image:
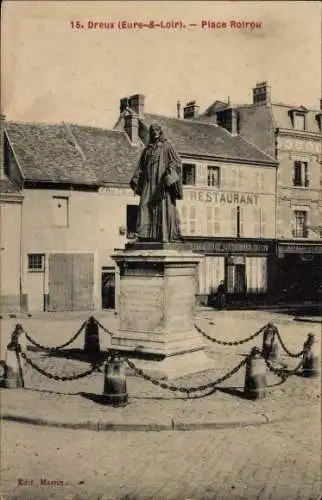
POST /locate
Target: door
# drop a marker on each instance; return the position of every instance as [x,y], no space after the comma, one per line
[35,282]
[240,279]
[60,282]
[71,282]
[108,289]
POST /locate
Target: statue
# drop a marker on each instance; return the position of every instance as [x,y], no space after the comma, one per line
[157,180]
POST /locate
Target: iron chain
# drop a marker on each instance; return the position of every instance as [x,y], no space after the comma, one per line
[95,367]
[283,372]
[187,390]
[285,348]
[50,349]
[237,342]
[106,330]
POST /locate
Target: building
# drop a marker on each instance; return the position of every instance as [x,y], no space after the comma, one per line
[71,184]
[229,198]
[74,182]
[293,135]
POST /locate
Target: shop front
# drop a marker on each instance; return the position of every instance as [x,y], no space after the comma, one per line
[245,266]
[299,271]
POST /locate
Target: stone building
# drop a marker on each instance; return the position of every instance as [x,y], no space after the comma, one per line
[228,210]
[74,182]
[70,184]
[293,135]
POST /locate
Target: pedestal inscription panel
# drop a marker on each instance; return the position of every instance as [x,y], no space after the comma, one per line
[142,304]
[180,302]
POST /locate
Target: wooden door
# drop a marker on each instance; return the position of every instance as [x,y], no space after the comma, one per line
[71,282]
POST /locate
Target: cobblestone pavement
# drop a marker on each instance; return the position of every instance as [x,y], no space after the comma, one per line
[280,461]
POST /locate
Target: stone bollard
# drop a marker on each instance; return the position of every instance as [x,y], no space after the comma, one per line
[270,347]
[115,391]
[13,376]
[92,341]
[255,375]
[310,359]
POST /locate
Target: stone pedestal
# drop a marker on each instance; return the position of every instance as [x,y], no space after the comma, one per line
[158,284]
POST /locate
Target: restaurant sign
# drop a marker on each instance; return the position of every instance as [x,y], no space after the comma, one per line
[221,197]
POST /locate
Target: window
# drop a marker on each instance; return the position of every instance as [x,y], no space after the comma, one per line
[299,121]
[300,174]
[300,229]
[188,174]
[193,220]
[213,221]
[60,211]
[35,263]
[213,178]
[131,220]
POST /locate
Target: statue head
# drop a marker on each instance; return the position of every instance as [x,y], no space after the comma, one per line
[156,133]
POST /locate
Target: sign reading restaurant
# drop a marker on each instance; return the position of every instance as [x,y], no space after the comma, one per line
[220,197]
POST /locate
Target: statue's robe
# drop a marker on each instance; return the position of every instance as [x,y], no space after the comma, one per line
[157,180]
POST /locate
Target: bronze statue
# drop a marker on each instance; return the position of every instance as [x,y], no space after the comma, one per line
[157,180]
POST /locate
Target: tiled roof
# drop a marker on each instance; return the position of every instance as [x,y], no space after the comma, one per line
[72,153]
[280,112]
[192,137]
[8,186]
[282,118]
[46,153]
[109,152]
[89,155]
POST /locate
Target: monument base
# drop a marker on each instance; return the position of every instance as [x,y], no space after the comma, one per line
[172,367]
[158,285]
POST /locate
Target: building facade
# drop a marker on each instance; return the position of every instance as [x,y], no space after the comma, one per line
[229,198]
[293,135]
[76,207]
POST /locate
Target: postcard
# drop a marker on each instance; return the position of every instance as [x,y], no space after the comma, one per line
[160,250]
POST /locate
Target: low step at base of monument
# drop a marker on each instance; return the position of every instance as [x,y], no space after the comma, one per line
[176,366]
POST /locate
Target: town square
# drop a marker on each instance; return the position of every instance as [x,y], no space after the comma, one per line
[161,253]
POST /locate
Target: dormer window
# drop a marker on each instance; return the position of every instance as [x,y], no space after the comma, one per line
[298,117]
[299,121]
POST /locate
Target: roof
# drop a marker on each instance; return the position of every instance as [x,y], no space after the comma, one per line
[46,153]
[281,114]
[193,137]
[282,117]
[111,155]
[7,186]
[72,153]
[76,154]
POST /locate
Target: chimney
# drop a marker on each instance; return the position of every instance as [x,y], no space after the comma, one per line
[2,143]
[178,109]
[136,103]
[228,119]
[262,94]
[124,103]
[131,127]
[190,110]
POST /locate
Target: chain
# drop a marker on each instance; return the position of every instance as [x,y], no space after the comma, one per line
[59,346]
[106,330]
[283,372]
[94,367]
[237,342]
[285,348]
[187,390]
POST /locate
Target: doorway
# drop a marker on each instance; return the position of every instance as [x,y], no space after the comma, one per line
[108,289]
[240,278]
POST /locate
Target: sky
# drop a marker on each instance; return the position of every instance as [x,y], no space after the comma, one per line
[52,72]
